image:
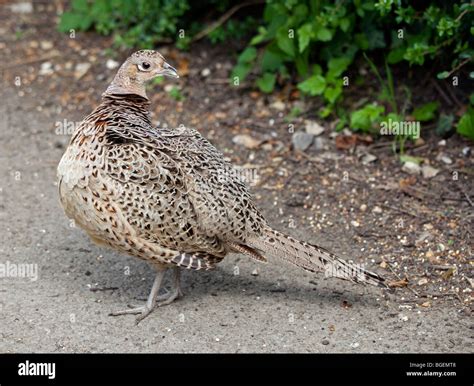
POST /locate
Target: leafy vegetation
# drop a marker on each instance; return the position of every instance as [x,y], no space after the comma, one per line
[322,40]
[319,44]
[140,21]
[466,124]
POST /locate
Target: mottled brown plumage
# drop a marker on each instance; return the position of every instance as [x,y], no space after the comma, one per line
[168,196]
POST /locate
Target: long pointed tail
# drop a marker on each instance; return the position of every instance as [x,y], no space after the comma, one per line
[313,258]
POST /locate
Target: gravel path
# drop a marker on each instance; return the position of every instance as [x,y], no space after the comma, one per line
[230,310]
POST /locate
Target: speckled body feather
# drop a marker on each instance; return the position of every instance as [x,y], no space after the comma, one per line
[153,192]
[167,195]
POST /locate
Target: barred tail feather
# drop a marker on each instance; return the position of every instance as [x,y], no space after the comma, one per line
[194,260]
[313,258]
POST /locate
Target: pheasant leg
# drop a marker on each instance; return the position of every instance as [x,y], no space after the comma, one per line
[148,307]
[175,291]
[154,300]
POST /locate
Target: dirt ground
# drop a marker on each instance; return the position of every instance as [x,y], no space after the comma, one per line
[416,231]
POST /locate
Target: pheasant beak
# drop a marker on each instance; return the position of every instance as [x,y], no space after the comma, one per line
[169,71]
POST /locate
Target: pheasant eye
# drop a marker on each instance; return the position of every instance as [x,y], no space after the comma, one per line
[144,66]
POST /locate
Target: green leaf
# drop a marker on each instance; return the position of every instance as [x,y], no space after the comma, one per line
[465,125]
[332,93]
[443,75]
[241,71]
[367,117]
[361,41]
[69,21]
[262,35]
[325,112]
[302,65]
[396,55]
[247,55]
[323,34]
[317,69]
[85,23]
[175,93]
[313,86]
[305,33]
[285,43]
[337,66]
[344,24]
[415,54]
[425,112]
[81,6]
[376,39]
[272,58]
[267,82]
[158,80]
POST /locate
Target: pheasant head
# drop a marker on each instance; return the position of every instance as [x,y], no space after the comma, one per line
[139,68]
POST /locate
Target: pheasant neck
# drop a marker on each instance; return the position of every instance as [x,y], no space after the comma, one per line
[125,83]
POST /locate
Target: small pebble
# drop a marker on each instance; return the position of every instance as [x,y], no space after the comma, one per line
[444,158]
[429,171]
[411,168]
[368,158]
[22,7]
[314,128]
[377,209]
[46,68]
[278,105]
[403,318]
[301,141]
[246,140]
[423,281]
[46,45]
[111,64]
[267,147]
[325,342]
[81,69]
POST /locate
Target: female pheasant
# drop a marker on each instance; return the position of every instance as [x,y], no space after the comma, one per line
[167,196]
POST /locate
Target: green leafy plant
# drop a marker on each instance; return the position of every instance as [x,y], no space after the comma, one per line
[141,22]
[233,29]
[176,94]
[367,118]
[244,64]
[321,41]
[465,125]
[318,44]
[425,112]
